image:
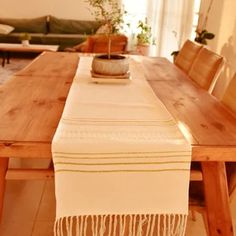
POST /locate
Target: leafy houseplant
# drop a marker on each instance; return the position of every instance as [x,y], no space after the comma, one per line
[202,35]
[144,37]
[110,14]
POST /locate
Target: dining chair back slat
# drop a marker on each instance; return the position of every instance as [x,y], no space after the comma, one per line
[206,68]
[187,54]
[229,100]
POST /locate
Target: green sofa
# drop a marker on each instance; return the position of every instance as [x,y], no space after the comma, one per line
[49,30]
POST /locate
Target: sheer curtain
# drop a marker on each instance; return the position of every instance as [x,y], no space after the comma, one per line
[136,10]
[171,22]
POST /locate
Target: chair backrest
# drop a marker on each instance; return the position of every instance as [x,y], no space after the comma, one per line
[187,54]
[99,43]
[206,68]
[229,100]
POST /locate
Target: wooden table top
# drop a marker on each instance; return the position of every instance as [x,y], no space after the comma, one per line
[33,100]
[32,103]
[208,125]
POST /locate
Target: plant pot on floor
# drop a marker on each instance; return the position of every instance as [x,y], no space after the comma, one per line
[143,49]
[25,43]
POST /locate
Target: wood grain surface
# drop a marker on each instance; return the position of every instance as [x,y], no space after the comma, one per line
[32,104]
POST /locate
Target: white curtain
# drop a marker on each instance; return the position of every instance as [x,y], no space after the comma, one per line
[136,10]
[172,22]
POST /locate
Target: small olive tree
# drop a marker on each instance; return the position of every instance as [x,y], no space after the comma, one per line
[109,13]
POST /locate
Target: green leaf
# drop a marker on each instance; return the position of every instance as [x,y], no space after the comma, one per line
[204,42]
[174,53]
[209,35]
[197,39]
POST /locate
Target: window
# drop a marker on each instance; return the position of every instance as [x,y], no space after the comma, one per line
[136,11]
[197,4]
[172,22]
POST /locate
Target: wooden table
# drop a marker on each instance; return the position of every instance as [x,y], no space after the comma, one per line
[6,48]
[209,127]
[32,103]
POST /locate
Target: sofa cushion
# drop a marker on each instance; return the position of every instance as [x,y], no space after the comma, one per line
[34,25]
[36,38]
[66,36]
[67,26]
[5,29]
[63,40]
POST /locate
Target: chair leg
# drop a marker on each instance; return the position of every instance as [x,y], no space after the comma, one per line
[193,215]
[50,166]
[204,216]
[3,170]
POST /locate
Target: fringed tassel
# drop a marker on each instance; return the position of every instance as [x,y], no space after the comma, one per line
[61,227]
[85,225]
[122,225]
[110,225]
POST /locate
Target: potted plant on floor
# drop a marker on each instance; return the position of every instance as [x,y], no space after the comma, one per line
[144,38]
[111,15]
[25,38]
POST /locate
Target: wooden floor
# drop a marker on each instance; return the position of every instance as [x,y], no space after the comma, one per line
[29,207]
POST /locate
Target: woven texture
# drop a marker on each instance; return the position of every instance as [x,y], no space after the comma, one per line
[118,152]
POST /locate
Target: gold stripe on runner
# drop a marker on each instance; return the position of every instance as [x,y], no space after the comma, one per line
[118,171]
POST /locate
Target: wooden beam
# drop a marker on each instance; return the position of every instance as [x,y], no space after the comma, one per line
[29,174]
[3,170]
[217,199]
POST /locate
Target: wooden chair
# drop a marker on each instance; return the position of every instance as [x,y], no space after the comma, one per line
[187,54]
[196,187]
[99,44]
[206,68]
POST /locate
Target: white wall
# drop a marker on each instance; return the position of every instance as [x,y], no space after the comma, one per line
[222,22]
[70,9]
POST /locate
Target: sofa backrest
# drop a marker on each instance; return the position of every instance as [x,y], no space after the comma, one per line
[68,26]
[33,25]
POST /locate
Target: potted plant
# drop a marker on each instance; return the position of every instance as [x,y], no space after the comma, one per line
[25,38]
[203,36]
[144,37]
[110,14]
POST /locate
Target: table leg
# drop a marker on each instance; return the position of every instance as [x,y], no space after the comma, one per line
[8,57]
[217,199]
[3,170]
[3,58]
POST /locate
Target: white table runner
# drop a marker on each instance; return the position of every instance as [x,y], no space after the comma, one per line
[121,163]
